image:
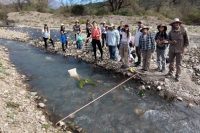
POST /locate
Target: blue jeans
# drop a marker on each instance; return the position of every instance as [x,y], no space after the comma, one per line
[79,45]
[161,58]
[112,50]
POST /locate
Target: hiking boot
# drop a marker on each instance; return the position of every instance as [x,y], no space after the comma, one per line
[137,64]
[169,75]
[177,78]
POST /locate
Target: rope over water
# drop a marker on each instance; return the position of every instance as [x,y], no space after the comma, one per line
[76,111]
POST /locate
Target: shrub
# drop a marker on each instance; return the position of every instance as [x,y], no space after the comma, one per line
[78,10]
[101,11]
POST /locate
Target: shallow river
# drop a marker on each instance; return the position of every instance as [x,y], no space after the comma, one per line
[118,112]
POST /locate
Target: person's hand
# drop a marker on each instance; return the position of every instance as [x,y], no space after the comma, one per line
[185,50]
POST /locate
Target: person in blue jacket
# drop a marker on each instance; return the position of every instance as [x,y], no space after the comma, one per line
[63,37]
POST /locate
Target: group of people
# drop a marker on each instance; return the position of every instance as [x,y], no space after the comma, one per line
[125,47]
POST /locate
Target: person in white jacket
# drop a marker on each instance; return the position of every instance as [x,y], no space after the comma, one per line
[124,46]
[112,41]
[46,36]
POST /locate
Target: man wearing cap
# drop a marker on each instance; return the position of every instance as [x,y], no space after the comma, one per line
[112,40]
[103,33]
[178,40]
[147,47]
[137,36]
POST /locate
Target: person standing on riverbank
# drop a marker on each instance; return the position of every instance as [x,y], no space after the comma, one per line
[47,36]
[63,37]
[96,37]
[124,46]
[137,36]
[76,29]
[161,39]
[147,47]
[88,28]
[103,33]
[120,29]
[112,40]
[178,40]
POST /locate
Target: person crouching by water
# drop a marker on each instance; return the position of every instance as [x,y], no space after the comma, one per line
[147,47]
[178,40]
[63,37]
[112,41]
[47,36]
[124,46]
[96,39]
[161,39]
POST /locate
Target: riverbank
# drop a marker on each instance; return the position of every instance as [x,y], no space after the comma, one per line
[185,90]
[19,111]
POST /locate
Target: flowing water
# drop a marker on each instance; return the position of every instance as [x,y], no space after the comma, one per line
[122,111]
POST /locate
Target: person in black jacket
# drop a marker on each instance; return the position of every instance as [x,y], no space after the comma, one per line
[161,39]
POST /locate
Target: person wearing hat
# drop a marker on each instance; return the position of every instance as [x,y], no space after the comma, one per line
[76,29]
[178,40]
[103,33]
[136,41]
[112,40]
[124,46]
[147,47]
[63,37]
[46,36]
[161,39]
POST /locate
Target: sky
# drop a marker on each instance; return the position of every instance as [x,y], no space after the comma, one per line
[57,3]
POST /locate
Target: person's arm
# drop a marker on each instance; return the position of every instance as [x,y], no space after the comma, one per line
[117,37]
[186,39]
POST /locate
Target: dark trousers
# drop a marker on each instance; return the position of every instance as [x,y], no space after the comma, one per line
[98,43]
[112,51]
[64,45]
[46,43]
[88,34]
[79,45]
[138,53]
[103,37]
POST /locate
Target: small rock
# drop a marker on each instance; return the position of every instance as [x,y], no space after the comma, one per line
[190,105]
[61,124]
[148,87]
[41,105]
[33,93]
[159,88]
[142,87]
[68,132]
[180,98]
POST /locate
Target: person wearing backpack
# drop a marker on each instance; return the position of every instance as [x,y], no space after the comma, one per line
[161,39]
[96,39]
[46,36]
[147,47]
